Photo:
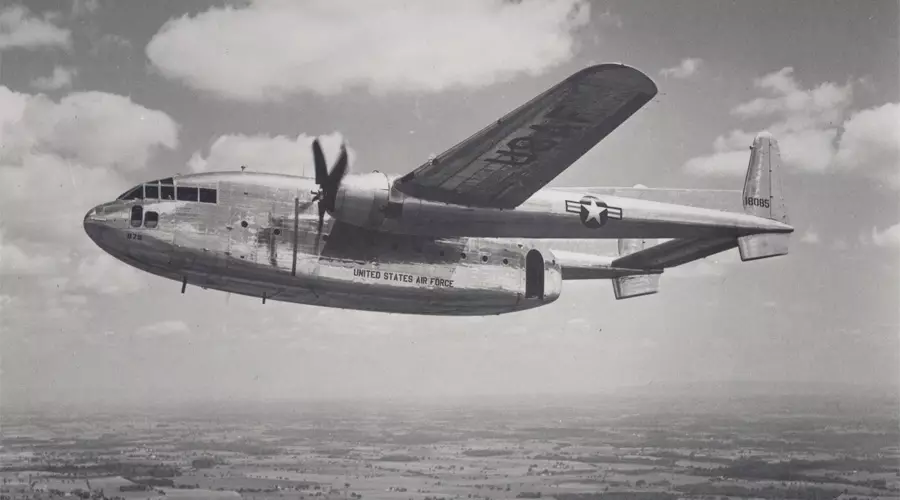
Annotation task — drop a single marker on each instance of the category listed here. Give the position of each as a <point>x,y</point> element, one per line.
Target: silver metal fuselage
<point>388,252</point>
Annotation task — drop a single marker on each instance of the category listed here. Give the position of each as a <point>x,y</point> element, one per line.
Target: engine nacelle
<point>362,199</point>
<point>552,277</point>
<point>543,273</point>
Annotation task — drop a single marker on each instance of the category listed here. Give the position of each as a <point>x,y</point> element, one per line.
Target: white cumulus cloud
<point>19,28</point>
<point>713,266</point>
<point>813,129</point>
<point>58,159</point>
<point>17,260</point>
<point>889,237</point>
<point>871,141</point>
<point>104,274</point>
<point>686,68</point>
<point>94,128</point>
<point>278,154</point>
<point>270,49</point>
<point>61,78</point>
<point>163,329</point>
<point>811,237</point>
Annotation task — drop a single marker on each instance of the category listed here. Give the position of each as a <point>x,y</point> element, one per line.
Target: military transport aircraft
<point>456,236</point>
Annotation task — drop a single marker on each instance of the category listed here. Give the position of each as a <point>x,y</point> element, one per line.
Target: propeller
<point>328,182</point>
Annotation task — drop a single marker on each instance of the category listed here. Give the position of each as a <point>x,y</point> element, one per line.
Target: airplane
<point>463,234</point>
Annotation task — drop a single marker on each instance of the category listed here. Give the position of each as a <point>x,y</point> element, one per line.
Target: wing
<point>505,163</point>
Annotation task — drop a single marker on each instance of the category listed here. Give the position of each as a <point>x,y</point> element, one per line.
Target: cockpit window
<point>165,189</point>
<point>133,194</point>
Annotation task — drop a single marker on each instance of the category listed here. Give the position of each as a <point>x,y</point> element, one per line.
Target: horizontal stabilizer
<point>761,246</point>
<point>674,253</point>
<point>626,287</point>
<point>584,266</point>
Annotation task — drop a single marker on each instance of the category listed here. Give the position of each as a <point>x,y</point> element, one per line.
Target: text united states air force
<point>402,278</point>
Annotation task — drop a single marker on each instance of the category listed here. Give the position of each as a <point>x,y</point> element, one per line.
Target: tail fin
<point>764,197</point>
<point>626,287</point>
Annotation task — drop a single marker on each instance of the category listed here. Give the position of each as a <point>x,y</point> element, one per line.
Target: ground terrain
<point>630,445</point>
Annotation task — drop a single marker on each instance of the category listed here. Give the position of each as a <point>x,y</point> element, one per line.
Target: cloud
<point>871,142</point>
<point>58,159</point>
<point>685,69</point>
<point>164,329</point>
<point>268,50</point>
<point>811,237</point>
<point>88,127</point>
<point>714,266</point>
<point>104,274</point>
<point>609,18</point>
<point>720,163</point>
<point>648,343</point>
<point>279,154</point>
<point>813,131</point>
<point>61,78</point>
<point>84,7</point>
<point>823,104</point>
<point>109,44</point>
<point>18,261</point>
<point>20,29</point>
<point>890,237</point>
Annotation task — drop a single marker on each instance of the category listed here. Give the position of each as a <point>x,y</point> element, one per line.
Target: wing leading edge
<point>505,163</point>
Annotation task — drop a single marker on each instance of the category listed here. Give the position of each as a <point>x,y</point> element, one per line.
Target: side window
<point>151,219</point>
<point>187,193</point>
<point>137,215</point>
<point>151,191</point>
<point>207,195</point>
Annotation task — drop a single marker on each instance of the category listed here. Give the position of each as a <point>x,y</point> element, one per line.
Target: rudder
<point>637,285</point>
<point>763,196</point>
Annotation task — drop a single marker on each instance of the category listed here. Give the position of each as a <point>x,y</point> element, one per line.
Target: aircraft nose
<point>93,223</point>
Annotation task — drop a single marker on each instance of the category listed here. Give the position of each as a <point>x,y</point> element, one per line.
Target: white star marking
<point>594,211</point>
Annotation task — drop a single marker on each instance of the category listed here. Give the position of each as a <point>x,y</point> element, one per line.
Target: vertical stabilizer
<point>626,287</point>
<point>764,197</point>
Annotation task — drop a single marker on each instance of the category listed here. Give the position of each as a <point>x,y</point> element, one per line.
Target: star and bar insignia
<point>593,212</point>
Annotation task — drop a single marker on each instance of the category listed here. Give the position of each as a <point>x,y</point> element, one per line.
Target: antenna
<point>243,167</point>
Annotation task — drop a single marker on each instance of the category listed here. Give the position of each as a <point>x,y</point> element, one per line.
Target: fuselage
<point>257,234</point>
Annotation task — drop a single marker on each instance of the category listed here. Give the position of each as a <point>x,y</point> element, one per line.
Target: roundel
<point>594,213</point>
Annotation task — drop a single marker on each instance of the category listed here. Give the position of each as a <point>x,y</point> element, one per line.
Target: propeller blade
<point>334,179</point>
<point>321,166</point>
<point>340,167</point>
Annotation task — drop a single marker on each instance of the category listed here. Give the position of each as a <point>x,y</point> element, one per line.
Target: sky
<point>96,96</point>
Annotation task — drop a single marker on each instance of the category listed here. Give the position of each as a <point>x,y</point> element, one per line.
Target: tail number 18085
<point>756,202</point>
